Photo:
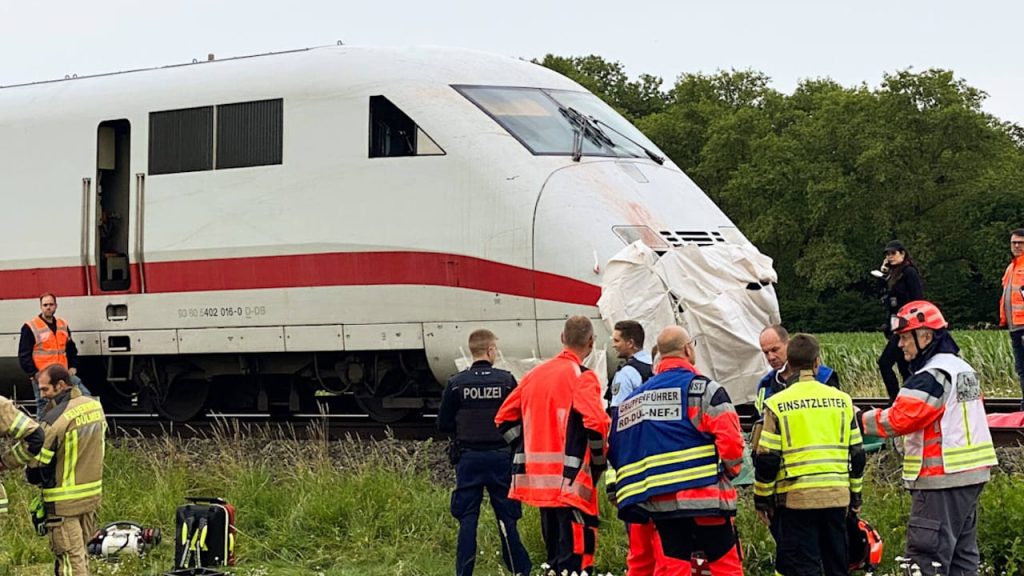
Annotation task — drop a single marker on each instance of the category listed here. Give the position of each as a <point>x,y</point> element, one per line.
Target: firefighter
<point>675,445</point>
<point>480,455</point>
<point>69,468</point>
<point>28,438</point>
<point>948,448</point>
<point>557,427</point>
<point>808,469</point>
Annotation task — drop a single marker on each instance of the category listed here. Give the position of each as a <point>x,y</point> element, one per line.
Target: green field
<point>354,507</point>
<point>854,355</point>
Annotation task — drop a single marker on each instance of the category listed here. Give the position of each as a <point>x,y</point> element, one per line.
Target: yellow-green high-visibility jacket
<point>810,454</point>
<point>72,455</point>
<point>27,436</point>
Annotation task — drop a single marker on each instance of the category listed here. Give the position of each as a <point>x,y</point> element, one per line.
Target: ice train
<point>239,234</point>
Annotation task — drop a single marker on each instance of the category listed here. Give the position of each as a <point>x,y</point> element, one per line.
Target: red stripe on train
<point>307,270</point>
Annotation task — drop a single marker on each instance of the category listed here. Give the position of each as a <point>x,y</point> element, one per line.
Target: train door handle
<point>117,312</point>
<point>119,343</point>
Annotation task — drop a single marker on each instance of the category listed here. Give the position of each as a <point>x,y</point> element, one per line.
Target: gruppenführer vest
<point>51,345</point>
<point>960,441</point>
<point>664,463</point>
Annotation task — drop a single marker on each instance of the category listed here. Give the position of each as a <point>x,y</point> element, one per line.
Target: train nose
<point>587,212</point>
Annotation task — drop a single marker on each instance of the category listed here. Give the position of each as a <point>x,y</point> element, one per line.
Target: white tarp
<point>723,294</point>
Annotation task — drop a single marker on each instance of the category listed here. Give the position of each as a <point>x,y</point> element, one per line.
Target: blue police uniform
<point>482,460</point>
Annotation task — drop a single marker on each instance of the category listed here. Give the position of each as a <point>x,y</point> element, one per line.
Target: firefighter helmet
<point>865,548</point>
<point>918,314</point>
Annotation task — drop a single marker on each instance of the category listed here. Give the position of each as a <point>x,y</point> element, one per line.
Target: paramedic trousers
<point>475,471</point>
<point>943,528</point>
<point>67,542</point>
<point>570,538</point>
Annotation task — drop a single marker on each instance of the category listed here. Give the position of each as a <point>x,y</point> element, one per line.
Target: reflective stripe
<point>20,453</point>
<point>856,485</point>
<point>45,456</point>
<point>512,433</point>
<point>689,504</point>
<point>813,481</point>
<point>19,426</point>
<point>764,488</point>
<point>770,441</point>
<point>539,458</point>
<point>73,492</point>
<point>697,473</point>
<point>552,482</point>
<point>667,458</point>
<point>573,461</point>
<point>818,448</point>
<point>70,457</point>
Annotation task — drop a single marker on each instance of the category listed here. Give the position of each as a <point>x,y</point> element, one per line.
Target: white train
<point>240,233</point>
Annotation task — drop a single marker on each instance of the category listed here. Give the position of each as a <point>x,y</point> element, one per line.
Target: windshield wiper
<point>585,127</point>
<point>650,153</point>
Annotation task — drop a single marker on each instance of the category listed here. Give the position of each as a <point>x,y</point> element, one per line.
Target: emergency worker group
<point>667,441</point>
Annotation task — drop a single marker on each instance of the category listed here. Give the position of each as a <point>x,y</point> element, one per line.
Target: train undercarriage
<point>388,386</point>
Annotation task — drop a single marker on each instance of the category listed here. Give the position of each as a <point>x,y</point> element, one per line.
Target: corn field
<point>854,356</point>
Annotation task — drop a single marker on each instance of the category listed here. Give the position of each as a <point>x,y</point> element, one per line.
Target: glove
<point>856,501</point>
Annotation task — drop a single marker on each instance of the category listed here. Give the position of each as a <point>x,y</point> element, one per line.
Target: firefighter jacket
<point>810,454</point>
<point>770,384</point>
<point>27,437</point>
<point>940,412</point>
<point>557,427</point>
<point>675,445</point>
<point>1011,303</point>
<point>469,404</point>
<point>70,463</point>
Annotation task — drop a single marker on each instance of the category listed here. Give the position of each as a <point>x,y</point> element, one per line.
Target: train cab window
<point>393,133</point>
<point>181,140</point>
<point>250,133</point>
<point>556,122</point>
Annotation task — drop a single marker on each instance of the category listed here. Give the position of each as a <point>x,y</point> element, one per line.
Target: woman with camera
<point>902,285</point>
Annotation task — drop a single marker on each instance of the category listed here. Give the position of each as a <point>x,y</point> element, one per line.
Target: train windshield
<point>551,122</point>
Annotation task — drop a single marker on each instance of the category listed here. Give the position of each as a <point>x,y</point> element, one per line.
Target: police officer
<point>28,437</point>
<point>481,457</point>
<point>808,469</point>
<point>628,342</point>
<point>70,468</point>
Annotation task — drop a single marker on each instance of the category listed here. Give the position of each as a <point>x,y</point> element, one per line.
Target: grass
<point>854,356</point>
<point>351,507</point>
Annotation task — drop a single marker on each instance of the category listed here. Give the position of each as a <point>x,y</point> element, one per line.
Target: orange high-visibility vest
<point>1014,280</point>
<point>50,346</point>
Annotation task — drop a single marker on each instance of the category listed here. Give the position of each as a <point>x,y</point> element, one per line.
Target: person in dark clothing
<point>902,285</point>
<point>481,456</point>
<point>46,339</point>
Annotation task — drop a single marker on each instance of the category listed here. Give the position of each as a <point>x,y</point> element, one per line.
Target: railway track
<point>1000,436</point>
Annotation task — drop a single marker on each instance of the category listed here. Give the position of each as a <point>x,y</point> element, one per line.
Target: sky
<point>789,40</point>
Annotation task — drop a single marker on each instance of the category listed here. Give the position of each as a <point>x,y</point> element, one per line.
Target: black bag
<point>204,534</point>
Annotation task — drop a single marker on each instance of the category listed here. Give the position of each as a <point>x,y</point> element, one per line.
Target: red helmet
<point>918,314</point>
<point>865,548</point>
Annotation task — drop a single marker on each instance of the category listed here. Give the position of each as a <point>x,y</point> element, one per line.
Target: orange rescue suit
<point>558,429</point>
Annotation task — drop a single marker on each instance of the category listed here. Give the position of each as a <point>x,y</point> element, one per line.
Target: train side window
<point>250,134</point>
<point>393,133</point>
<point>181,140</point>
